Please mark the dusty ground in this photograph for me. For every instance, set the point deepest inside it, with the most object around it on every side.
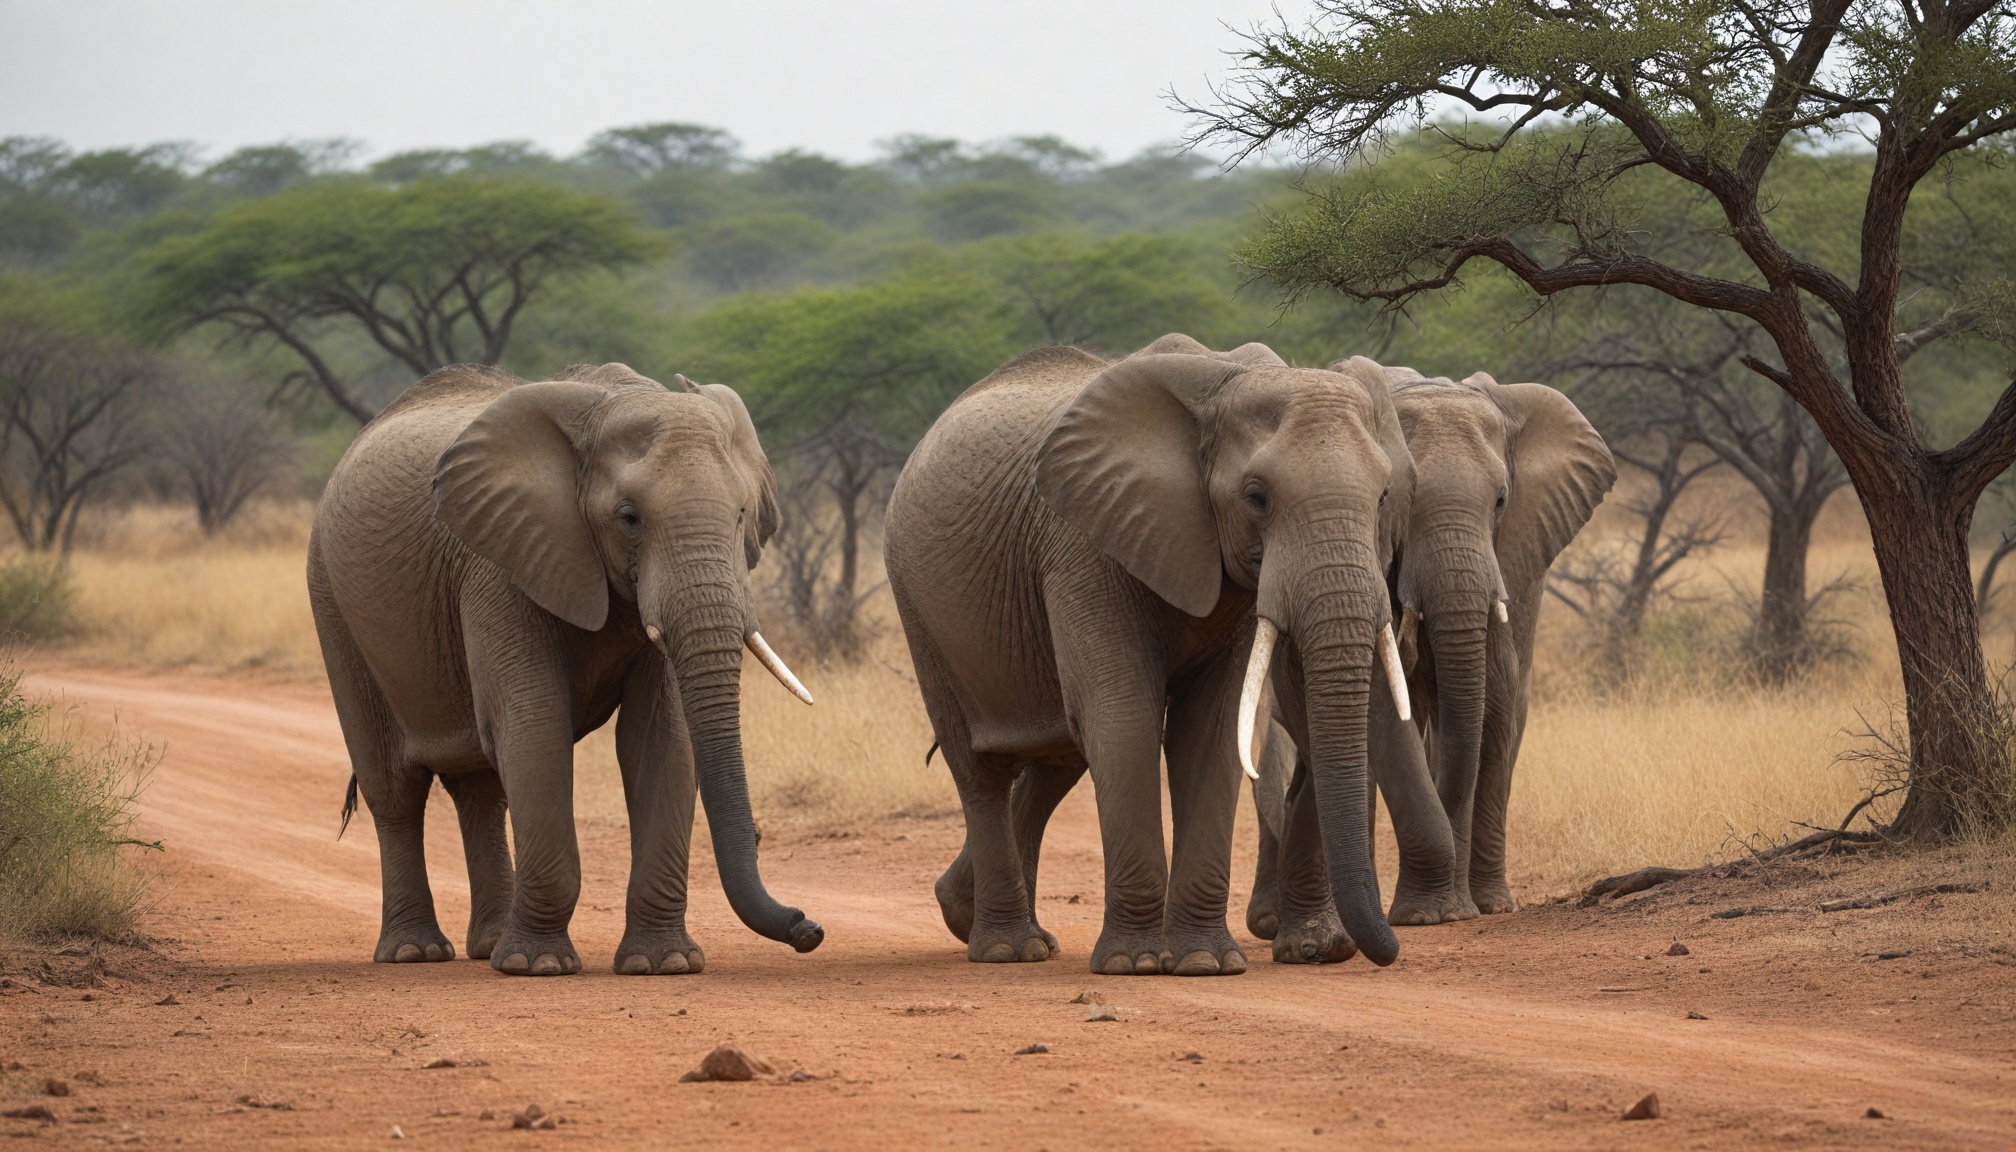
(1533, 1030)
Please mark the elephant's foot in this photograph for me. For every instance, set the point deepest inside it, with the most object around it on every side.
(1207, 952)
(955, 897)
(521, 953)
(1413, 905)
(1261, 918)
(1315, 938)
(1024, 943)
(1492, 897)
(413, 944)
(485, 932)
(658, 952)
(1125, 953)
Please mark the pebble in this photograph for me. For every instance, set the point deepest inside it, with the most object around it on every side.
(1678, 949)
(1645, 1109)
(1036, 1049)
(730, 1062)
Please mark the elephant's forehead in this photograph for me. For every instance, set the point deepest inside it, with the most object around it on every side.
(1444, 411)
(638, 424)
(1302, 400)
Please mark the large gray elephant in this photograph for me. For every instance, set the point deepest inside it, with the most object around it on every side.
(495, 567)
(1506, 475)
(1086, 557)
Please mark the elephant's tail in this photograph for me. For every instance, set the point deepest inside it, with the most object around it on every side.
(349, 806)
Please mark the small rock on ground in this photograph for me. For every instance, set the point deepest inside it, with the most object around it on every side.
(55, 1087)
(1036, 1049)
(730, 1062)
(1678, 949)
(1101, 1013)
(1646, 1109)
(1087, 997)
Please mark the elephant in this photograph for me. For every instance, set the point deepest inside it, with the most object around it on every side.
(1098, 562)
(495, 567)
(1506, 475)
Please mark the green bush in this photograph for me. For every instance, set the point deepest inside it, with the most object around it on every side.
(35, 595)
(66, 814)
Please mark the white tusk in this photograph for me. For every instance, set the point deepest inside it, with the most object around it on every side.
(652, 634)
(776, 666)
(1264, 633)
(1396, 678)
(1504, 617)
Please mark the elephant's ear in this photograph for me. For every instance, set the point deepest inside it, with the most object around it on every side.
(509, 489)
(1379, 382)
(748, 453)
(1173, 343)
(1122, 466)
(1560, 470)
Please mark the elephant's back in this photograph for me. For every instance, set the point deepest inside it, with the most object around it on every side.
(974, 472)
(387, 565)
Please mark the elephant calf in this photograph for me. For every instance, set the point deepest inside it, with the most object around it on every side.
(495, 568)
(1083, 554)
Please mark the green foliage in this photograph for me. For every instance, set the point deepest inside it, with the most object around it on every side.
(889, 354)
(433, 272)
(1115, 295)
(67, 809)
(758, 250)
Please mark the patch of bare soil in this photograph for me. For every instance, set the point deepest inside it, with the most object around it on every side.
(257, 1018)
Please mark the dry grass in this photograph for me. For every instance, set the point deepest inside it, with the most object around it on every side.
(1681, 768)
(151, 590)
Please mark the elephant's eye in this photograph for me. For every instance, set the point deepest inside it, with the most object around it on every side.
(1255, 497)
(1501, 500)
(627, 513)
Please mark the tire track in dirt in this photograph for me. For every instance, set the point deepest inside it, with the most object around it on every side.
(1459, 1044)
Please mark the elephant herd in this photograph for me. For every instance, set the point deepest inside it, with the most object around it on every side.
(1328, 578)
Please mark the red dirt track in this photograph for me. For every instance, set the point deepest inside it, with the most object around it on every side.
(1533, 1030)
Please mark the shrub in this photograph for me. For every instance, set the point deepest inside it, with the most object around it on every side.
(35, 598)
(67, 807)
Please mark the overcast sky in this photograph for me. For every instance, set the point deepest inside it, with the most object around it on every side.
(833, 77)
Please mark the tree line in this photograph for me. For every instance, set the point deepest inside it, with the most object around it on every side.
(201, 329)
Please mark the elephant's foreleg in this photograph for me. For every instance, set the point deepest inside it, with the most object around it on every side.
(479, 804)
(1204, 782)
(1426, 891)
(1310, 930)
(1039, 788)
(1270, 798)
(658, 786)
(1504, 727)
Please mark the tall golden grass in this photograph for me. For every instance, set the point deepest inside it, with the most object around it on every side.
(1674, 770)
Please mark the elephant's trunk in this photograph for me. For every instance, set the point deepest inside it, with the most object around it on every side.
(1334, 629)
(705, 647)
(1458, 603)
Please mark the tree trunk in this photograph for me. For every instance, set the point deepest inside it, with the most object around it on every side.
(1920, 532)
(1780, 641)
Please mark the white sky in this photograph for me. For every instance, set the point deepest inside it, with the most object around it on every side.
(833, 77)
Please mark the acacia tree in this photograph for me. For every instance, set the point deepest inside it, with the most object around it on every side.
(1702, 97)
(1658, 365)
(434, 273)
(70, 420)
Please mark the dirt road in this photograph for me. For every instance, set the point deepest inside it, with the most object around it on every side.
(1533, 1030)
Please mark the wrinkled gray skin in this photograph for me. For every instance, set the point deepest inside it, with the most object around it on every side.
(1506, 475)
(484, 563)
(1077, 550)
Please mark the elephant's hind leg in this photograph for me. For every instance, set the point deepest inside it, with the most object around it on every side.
(394, 791)
(658, 787)
(1037, 791)
(479, 803)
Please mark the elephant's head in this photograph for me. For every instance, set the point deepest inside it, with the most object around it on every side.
(1192, 469)
(602, 483)
(1508, 474)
